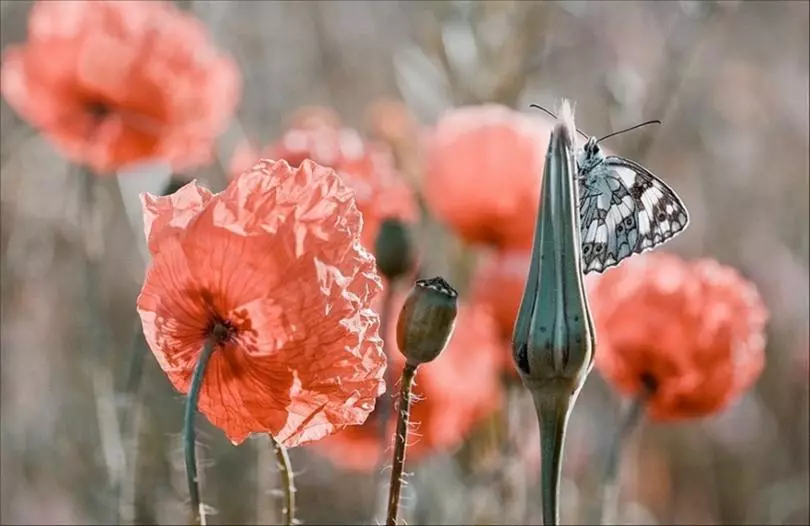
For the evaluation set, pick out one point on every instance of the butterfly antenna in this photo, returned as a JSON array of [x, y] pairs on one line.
[[554, 117], [609, 135]]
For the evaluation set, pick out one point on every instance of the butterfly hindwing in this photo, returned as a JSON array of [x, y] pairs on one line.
[[624, 210]]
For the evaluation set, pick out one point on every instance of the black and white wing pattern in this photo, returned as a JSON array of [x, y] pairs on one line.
[[624, 210]]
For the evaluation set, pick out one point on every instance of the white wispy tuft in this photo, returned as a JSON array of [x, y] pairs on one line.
[[566, 118]]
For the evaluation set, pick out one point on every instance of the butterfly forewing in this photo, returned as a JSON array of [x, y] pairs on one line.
[[624, 210]]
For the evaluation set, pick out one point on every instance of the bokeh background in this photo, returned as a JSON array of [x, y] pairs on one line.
[[728, 79]]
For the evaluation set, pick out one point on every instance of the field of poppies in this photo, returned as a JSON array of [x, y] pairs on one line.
[[309, 262]]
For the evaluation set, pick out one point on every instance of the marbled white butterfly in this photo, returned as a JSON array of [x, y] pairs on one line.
[[623, 208]]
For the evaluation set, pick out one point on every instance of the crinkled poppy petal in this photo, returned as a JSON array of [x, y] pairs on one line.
[[244, 369], [167, 215], [275, 261], [174, 321]]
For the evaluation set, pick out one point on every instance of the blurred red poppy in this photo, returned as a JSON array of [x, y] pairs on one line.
[[690, 332], [274, 259], [367, 167], [452, 393], [112, 83], [392, 121], [499, 281], [483, 171]]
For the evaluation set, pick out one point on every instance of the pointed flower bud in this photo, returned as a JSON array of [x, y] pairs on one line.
[[427, 320], [553, 337], [552, 344], [393, 249]]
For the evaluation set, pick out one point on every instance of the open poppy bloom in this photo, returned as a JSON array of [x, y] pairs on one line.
[[450, 395], [483, 172], [367, 167], [272, 268], [691, 333], [112, 83]]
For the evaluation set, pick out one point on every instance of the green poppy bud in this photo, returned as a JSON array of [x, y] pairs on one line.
[[393, 249]]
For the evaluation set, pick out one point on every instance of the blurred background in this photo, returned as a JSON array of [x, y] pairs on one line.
[[728, 79]]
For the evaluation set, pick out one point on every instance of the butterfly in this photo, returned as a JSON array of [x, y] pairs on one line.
[[623, 208]]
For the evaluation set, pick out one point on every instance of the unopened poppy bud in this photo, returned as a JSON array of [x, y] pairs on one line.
[[553, 338], [427, 320], [393, 249]]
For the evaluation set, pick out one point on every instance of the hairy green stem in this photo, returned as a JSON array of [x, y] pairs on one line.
[[400, 446], [287, 480], [610, 488], [197, 511], [553, 407]]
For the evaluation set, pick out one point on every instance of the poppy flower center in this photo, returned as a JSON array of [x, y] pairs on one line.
[[649, 382], [222, 331], [97, 109]]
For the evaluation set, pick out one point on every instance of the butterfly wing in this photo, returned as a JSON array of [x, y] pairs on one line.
[[625, 210]]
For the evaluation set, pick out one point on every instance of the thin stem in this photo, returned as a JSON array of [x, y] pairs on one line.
[[197, 511], [610, 488], [394, 490], [552, 407], [287, 480]]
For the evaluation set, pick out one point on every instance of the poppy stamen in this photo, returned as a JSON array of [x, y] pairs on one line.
[[221, 331], [649, 382]]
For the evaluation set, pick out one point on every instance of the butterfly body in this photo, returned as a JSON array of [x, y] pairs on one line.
[[624, 208]]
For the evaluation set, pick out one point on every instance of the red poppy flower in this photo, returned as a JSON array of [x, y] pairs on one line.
[[113, 83], [366, 167], [452, 393], [483, 171], [692, 333], [275, 259], [499, 283]]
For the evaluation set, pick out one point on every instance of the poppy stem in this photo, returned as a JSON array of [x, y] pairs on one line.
[[610, 488], [553, 406], [287, 480], [189, 440], [395, 488]]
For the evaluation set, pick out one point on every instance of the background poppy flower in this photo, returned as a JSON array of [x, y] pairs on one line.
[[367, 167], [483, 172], [274, 261], [111, 83], [692, 332], [451, 393], [499, 280]]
